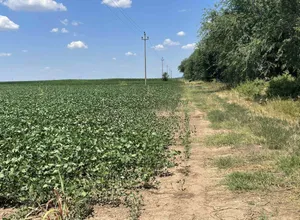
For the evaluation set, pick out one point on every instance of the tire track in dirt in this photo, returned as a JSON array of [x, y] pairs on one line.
[[183, 197]]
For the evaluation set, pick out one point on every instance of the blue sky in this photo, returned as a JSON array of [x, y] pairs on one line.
[[100, 41]]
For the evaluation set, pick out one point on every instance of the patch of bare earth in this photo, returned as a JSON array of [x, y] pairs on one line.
[[5, 212], [106, 213], [184, 196], [199, 195]]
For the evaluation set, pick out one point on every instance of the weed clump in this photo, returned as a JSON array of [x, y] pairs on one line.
[[252, 89], [227, 162], [243, 181]]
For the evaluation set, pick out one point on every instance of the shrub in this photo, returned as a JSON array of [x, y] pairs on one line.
[[165, 76], [252, 89], [284, 86]]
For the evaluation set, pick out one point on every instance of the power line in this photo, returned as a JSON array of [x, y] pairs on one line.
[[132, 24], [162, 65], [127, 16], [116, 14], [135, 25], [158, 56], [130, 20]]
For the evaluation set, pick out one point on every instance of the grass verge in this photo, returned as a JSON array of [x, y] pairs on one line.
[[263, 138]]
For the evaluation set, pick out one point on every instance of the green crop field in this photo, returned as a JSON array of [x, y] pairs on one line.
[[91, 141]]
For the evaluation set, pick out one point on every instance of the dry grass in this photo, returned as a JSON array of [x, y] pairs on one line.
[[273, 125], [276, 108]]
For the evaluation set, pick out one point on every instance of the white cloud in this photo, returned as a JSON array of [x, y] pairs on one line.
[[65, 22], [64, 31], [77, 45], [24, 51], [114, 58], [46, 68], [184, 10], [169, 42], [181, 33], [159, 47], [5, 54], [76, 23], [130, 54], [34, 5], [189, 46], [6, 24], [54, 30], [118, 3]]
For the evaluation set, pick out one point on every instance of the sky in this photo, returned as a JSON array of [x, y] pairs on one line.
[[95, 39]]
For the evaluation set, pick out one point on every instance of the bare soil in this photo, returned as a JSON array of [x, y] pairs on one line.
[[107, 213], [5, 212]]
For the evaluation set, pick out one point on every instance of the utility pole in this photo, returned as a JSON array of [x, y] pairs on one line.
[[168, 69], [162, 65], [145, 38]]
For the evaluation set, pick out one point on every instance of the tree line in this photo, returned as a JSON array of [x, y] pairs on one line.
[[243, 40]]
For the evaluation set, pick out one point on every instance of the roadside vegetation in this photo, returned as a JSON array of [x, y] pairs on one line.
[[265, 149], [248, 62], [252, 46]]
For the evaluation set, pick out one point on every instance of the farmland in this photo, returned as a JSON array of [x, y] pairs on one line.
[[90, 141], [117, 149]]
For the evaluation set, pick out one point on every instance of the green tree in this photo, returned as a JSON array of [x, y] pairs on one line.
[[165, 76], [247, 39]]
